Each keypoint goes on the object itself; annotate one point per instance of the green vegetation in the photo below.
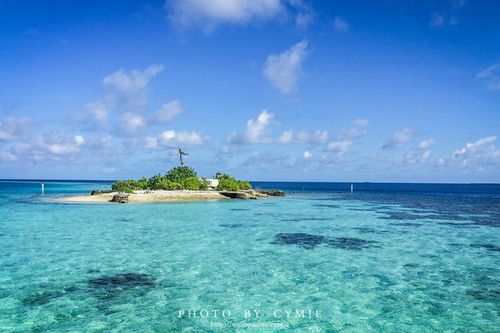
(181, 173)
(229, 183)
(180, 178)
(220, 175)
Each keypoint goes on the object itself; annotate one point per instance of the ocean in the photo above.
(386, 258)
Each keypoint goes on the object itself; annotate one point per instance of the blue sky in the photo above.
(266, 89)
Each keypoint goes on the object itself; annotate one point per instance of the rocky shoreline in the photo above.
(99, 196)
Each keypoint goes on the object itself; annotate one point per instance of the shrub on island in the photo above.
(180, 174)
(229, 183)
(180, 178)
(121, 186)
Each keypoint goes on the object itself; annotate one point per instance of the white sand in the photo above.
(149, 196)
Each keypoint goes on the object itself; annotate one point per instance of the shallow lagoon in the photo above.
(372, 261)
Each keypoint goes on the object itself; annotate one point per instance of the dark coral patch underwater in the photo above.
(231, 225)
(41, 298)
(407, 224)
(105, 288)
(124, 281)
(489, 247)
(300, 219)
(309, 241)
(367, 230)
(303, 240)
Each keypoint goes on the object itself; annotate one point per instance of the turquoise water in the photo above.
(378, 260)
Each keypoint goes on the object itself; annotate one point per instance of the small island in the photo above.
(178, 184)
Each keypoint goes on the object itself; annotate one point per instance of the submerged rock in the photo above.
(272, 193)
(238, 194)
(120, 198)
(97, 192)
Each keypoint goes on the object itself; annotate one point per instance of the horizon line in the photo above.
(257, 181)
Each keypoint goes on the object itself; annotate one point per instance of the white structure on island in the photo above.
(212, 183)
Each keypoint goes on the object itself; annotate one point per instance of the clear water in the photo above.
(387, 258)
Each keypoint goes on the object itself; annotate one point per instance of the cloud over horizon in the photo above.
(172, 138)
(418, 155)
(476, 155)
(12, 128)
(399, 139)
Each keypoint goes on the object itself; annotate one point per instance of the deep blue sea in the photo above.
(386, 258)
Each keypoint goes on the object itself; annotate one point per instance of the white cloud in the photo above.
(307, 154)
(418, 155)
(426, 144)
(353, 133)
(11, 128)
(172, 138)
(257, 130)
(437, 20)
(168, 111)
(95, 113)
(340, 24)
(447, 15)
(108, 170)
(474, 155)
(492, 75)
(101, 141)
(283, 69)
(59, 144)
(291, 136)
(361, 122)
(127, 93)
(133, 81)
(6, 156)
(339, 146)
(208, 14)
(344, 141)
(132, 124)
(79, 140)
(399, 138)
(20, 148)
(305, 13)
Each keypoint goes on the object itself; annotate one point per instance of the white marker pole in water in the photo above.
(43, 188)
(352, 188)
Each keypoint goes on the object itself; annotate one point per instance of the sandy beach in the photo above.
(149, 196)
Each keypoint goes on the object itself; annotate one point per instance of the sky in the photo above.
(283, 90)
